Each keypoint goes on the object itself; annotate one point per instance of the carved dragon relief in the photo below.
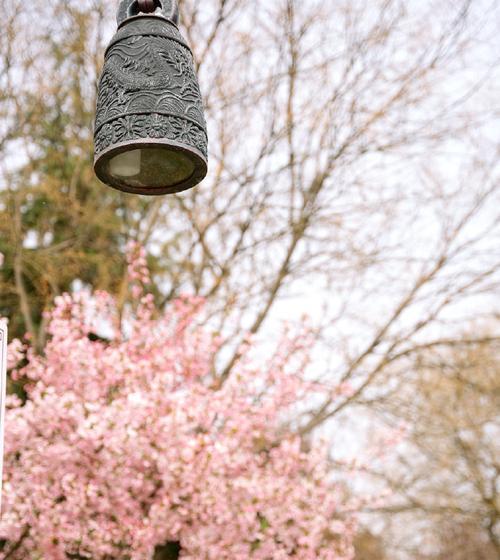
(148, 89)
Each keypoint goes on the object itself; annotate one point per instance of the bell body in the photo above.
(150, 132)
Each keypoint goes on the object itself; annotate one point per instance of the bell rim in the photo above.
(199, 160)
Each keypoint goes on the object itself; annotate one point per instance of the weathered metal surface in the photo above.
(149, 91)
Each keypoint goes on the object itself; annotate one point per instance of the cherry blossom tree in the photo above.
(126, 447)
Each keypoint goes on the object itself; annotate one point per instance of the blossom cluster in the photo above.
(125, 444)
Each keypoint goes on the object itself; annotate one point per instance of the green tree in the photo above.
(58, 224)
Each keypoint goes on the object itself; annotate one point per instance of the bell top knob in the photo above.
(131, 9)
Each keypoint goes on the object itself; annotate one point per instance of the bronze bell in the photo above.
(150, 132)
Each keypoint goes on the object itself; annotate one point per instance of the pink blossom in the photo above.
(124, 445)
(15, 353)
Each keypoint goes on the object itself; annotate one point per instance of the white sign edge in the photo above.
(3, 391)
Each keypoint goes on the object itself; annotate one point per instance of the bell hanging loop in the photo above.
(167, 9)
(150, 134)
(147, 6)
